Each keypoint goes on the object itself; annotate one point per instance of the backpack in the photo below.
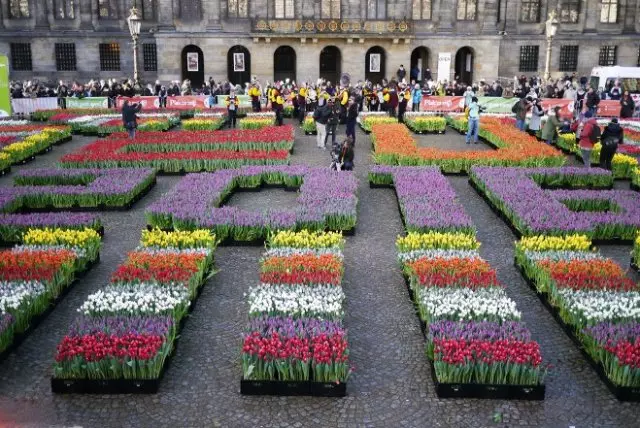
(594, 136)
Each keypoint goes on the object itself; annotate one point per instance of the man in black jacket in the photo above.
(610, 138)
(592, 100)
(129, 118)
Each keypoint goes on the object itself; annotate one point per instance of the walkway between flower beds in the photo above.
(391, 385)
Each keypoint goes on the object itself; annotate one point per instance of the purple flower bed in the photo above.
(600, 214)
(290, 327)
(327, 200)
(121, 325)
(427, 200)
(479, 330)
(13, 226)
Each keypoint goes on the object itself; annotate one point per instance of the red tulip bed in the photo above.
(35, 275)
(593, 300)
(126, 332)
(187, 151)
(476, 342)
(295, 343)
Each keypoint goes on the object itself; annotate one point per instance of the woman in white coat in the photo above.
(536, 115)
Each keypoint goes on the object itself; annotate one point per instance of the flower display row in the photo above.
(531, 209)
(61, 116)
(425, 123)
(426, 199)
(127, 330)
(622, 165)
(211, 122)
(23, 149)
(57, 188)
(309, 125)
(252, 122)
(394, 146)
(326, 200)
(9, 123)
(635, 254)
(36, 273)
(187, 151)
(109, 123)
(594, 300)
(295, 342)
(367, 120)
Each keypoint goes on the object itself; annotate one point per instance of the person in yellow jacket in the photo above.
(386, 99)
(302, 103)
(232, 108)
(278, 106)
(405, 96)
(254, 93)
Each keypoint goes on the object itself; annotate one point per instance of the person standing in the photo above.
(612, 136)
(474, 121)
(277, 105)
(404, 97)
(347, 154)
(536, 117)
(162, 97)
(232, 108)
(551, 126)
(302, 103)
(401, 73)
(129, 118)
(321, 116)
(627, 105)
(254, 93)
(587, 132)
(520, 109)
(352, 115)
(416, 98)
(393, 101)
(592, 100)
(332, 123)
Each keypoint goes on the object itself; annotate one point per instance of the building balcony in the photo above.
(267, 27)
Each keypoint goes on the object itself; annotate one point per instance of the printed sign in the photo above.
(238, 61)
(374, 63)
(444, 66)
(193, 61)
(93, 102)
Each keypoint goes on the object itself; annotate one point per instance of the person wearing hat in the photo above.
(612, 136)
(254, 93)
(321, 115)
(587, 132)
(277, 104)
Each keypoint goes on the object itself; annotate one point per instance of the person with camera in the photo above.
(474, 121)
(611, 137)
(129, 117)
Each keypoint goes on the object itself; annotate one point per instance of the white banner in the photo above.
(29, 105)
(444, 66)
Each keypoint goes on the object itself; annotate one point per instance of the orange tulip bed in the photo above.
(393, 145)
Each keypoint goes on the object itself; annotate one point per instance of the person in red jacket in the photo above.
(587, 135)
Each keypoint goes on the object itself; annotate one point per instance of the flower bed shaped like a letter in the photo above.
(327, 200)
(190, 151)
(531, 209)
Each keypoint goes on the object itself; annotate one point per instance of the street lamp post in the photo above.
(551, 27)
(134, 22)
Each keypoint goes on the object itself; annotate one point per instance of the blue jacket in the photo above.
(416, 96)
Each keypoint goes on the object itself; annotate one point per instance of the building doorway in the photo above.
(420, 64)
(193, 65)
(238, 65)
(331, 64)
(464, 65)
(375, 64)
(284, 64)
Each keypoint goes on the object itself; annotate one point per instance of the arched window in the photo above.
(19, 9)
(107, 9)
(467, 10)
(330, 9)
(190, 10)
(238, 8)
(421, 9)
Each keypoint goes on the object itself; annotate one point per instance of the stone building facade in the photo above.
(305, 39)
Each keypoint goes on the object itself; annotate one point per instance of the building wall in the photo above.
(495, 55)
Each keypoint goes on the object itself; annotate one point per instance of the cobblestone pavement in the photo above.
(392, 386)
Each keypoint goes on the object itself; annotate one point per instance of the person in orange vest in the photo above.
(254, 93)
(277, 105)
(302, 102)
(232, 108)
(385, 99)
(343, 99)
(405, 96)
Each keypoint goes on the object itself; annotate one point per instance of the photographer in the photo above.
(129, 118)
(474, 121)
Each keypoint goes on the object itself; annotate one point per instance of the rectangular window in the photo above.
(64, 9)
(107, 9)
(376, 9)
(570, 11)
(609, 12)
(421, 9)
(330, 9)
(569, 58)
(467, 10)
(109, 57)
(150, 56)
(239, 8)
(529, 58)
(284, 9)
(21, 57)
(148, 9)
(530, 11)
(19, 9)
(65, 56)
(607, 56)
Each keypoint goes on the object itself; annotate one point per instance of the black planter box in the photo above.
(107, 386)
(635, 266)
(381, 186)
(635, 187)
(62, 141)
(622, 393)
(5, 171)
(297, 388)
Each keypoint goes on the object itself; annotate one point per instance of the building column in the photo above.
(165, 15)
(86, 21)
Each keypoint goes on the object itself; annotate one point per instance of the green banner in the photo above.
(5, 99)
(497, 104)
(93, 102)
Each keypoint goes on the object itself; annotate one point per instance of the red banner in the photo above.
(448, 104)
(609, 108)
(183, 102)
